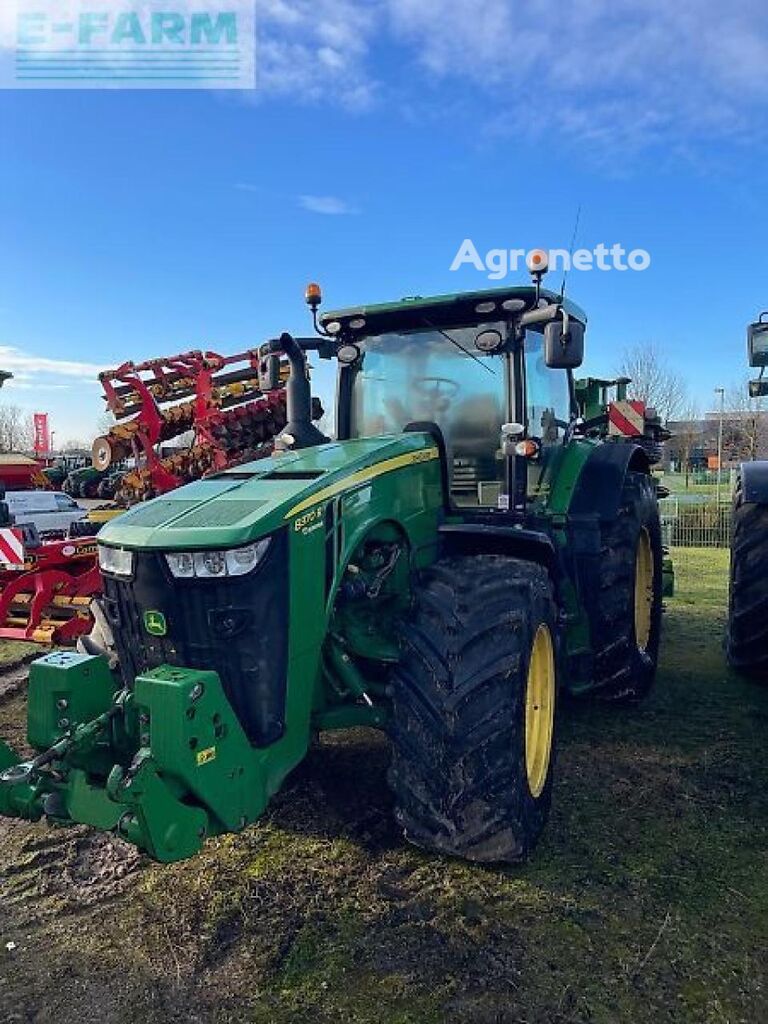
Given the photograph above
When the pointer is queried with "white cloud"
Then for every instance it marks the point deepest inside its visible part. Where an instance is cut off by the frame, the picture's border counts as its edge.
(331, 206)
(24, 365)
(18, 384)
(617, 75)
(621, 73)
(318, 50)
(67, 389)
(614, 74)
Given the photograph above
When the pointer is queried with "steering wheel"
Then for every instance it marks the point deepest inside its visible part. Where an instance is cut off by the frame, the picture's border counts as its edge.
(442, 387)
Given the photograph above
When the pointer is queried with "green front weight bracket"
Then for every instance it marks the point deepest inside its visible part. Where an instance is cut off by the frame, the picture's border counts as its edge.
(153, 818)
(196, 774)
(167, 765)
(66, 690)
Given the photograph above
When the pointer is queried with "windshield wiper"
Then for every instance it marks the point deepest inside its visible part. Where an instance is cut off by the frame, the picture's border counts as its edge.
(461, 348)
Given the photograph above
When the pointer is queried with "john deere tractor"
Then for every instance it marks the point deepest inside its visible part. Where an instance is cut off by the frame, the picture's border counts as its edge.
(460, 556)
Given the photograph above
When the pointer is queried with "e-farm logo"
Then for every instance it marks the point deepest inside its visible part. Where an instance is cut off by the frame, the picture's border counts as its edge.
(130, 44)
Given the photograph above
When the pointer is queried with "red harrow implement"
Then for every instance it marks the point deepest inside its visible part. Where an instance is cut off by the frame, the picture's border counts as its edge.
(158, 401)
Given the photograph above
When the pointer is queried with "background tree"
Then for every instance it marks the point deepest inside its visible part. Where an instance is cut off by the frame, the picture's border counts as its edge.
(75, 444)
(17, 429)
(654, 381)
(745, 424)
(687, 436)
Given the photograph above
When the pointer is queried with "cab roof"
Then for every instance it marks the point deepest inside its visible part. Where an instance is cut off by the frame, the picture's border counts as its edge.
(445, 310)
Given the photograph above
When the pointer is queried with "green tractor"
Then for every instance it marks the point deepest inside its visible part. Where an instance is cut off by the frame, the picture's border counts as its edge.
(457, 559)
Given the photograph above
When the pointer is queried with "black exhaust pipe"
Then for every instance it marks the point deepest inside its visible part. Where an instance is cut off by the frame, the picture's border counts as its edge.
(300, 431)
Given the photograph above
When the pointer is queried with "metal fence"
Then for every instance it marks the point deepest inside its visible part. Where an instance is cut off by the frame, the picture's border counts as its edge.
(695, 522)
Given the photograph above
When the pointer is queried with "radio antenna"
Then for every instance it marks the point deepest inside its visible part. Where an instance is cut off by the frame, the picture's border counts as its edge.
(570, 252)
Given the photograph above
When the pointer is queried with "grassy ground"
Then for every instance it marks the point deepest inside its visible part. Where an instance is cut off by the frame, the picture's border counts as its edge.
(677, 484)
(648, 900)
(12, 652)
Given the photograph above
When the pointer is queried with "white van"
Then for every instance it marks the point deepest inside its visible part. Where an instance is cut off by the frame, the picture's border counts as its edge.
(49, 511)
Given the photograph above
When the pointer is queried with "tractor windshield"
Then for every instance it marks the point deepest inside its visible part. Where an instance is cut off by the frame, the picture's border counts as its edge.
(424, 376)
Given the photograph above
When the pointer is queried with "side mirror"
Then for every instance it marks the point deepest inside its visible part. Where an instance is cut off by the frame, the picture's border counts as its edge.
(757, 342)
(758, 389)
(564, 344)
(269, 373)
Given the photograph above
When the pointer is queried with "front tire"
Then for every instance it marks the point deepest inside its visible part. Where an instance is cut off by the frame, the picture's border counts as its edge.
(474, 709)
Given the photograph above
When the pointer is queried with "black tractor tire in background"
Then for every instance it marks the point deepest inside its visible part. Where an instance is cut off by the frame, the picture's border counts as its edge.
(747, 642)
(625, 663)
(461, 698)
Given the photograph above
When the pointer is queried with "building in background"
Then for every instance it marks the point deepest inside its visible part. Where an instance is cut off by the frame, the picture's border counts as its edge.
(694, 443)
(21, 473)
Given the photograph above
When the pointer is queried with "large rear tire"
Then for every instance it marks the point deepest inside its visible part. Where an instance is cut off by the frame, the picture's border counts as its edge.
(474, 709)
(747, 643)
(626, 604)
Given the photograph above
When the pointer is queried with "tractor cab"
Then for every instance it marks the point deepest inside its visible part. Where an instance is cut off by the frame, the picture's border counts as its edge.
(490, 373)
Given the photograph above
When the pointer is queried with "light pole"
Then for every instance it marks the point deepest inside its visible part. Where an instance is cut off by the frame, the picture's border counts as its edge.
(721, 392)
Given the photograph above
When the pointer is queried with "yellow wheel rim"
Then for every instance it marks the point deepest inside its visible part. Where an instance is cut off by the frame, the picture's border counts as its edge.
(540, 711)
(644, 591)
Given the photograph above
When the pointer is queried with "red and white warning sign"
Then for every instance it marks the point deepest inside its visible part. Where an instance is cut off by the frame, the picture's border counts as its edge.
(12, 554)
(626, 419)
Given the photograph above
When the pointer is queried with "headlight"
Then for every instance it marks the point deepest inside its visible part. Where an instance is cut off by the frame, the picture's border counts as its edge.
(115, 561)
(182, 565)
(211, 565)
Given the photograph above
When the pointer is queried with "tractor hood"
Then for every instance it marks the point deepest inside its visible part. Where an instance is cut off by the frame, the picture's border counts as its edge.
(243, 504)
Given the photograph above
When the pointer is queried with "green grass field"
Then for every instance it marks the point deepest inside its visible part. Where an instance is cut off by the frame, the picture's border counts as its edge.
(647, 901)
(677, 484)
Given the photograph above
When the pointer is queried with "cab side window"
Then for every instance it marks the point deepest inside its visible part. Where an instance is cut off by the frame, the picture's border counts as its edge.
(548, 394)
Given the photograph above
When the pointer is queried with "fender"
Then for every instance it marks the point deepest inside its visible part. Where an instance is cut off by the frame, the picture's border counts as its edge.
(754, 482)
(601, 482)
(485, 539)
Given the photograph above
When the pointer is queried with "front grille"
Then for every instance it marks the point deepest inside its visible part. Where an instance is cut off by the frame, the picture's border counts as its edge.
(236, 627)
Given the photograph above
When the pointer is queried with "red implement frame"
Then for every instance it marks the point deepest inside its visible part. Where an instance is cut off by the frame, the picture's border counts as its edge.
(163, 380)
(48, 601)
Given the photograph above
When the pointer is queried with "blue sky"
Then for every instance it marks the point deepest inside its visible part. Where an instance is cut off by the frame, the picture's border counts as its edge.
(380, 136)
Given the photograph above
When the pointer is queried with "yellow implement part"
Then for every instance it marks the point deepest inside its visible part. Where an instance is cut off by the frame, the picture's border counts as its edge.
(104, 515)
